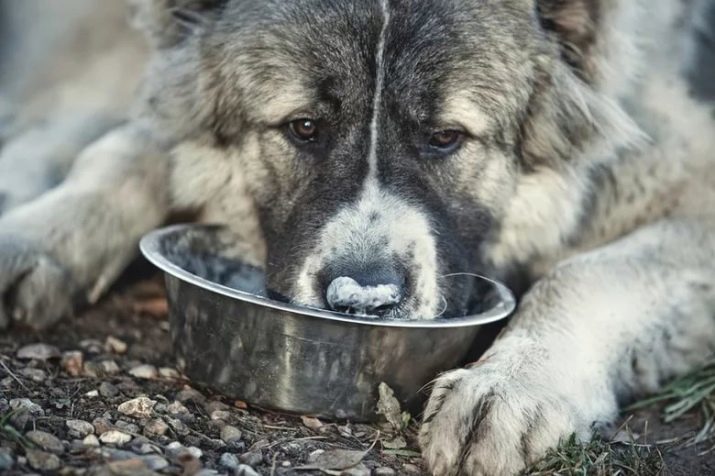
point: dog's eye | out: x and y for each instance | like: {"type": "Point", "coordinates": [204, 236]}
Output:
{"type": "Point", "coordinates": [446, 140]}
{"type": "Point", "coordinates": [305, 130]}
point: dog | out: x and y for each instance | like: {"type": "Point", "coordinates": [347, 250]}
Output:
{"type": "Point", "coordinates": [367, 154]}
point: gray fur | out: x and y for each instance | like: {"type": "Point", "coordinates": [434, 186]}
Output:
{"type": "Point", "coordinates": [586, 172]}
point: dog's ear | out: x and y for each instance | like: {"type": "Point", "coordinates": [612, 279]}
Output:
{"type": "Point", "coordinates": [575, 24]}
{"type": "Point", "coordinates": [168, 22]}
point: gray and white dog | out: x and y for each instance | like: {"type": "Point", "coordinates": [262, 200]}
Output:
{"type": "Point", "coordinates": [365, 150]}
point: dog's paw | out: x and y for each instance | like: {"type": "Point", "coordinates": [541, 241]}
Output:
{"type": "Point", "coordinates": [501, 415]}
{"type": "Point", "coordinates": [35, 291]}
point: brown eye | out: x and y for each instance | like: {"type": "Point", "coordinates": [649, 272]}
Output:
{"type": "Point", "coordinates": [446, 140]}
{"type": "Point", "coordinates": [305, 130]}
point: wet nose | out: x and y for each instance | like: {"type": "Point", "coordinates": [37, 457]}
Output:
{"type": "Point", "coordinates": [366, 293]}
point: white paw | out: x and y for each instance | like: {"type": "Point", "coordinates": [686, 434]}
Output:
{"type": "Point", "coordinates": [35, 291]}
{"type": "Point", "coordinates": [506, 412]}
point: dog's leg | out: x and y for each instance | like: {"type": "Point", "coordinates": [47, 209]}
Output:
{"type": "Point", "coordinates": [602, 327]}
{"type": "Point", "coordinates": [71, 242]}
{"type": "Point", "coordinates": [40, 157]}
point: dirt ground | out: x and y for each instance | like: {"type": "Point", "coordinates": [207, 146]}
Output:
{"type": "Point", "coordinates": [75, 386]}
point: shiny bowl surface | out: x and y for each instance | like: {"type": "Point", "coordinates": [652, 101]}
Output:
{"type": "Point", "coordinates": [231, 337]}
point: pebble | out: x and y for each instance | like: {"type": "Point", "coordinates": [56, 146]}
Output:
{"type": "Point", "coordinates": [156, 427]}
{"type": "Point", "coordinates": [359, 470]}
{"type": "Point", "coordinates": [155, 462]}
{"type": "Point", "coordinates": [190, 394]}
{"type": "Point", "coordinates": [220, 415]}
{"type": "Point", "coordinates": [108, 390]}
{"type": "Point", "coordinates": [145, 371]}
{"type": "Point", "coordinates": [411, 468]}
{"type": "Point", "coordinates": [101, 425]}
{"type": "Point", "coordinates": [169, 373]}
{"type": "Point", "coordinates": [229, 434]}
{"type": "Point", "coordinates": [73, 362]}
{"type": "Point", "coordinates": [176, 449]}
{"type": "Point", "coordinates": [114, 345]}
{"type": "Point", "coordinates": [141, 407]}
{"type": "Point", "coordinates": [39, 352]}
{"type": "Point", "coordinates": [26, 405]}
{"type": "Point", "coordinates": [6, 460]}
{"type": "Point", "coordinates": [177, 425]}
{"type": "Point", "coordinates": [43, 461]}
{"type": "Point", "coordinates": [176, 408]}
{"type": "Point", "coordinates": [92, 394]}
{"type": "Point", "coordinates": [126, 426]}
{"type": "Point", "coordinates": [91, 345]}
{"type": "Point", "coordinates": [103, 368]}
{"type": "Point", "coordinates": [115, 437]}
{"type": "Point", "coordinates": [252, 458]}
{"type": "Point", "coordinates": [229, 461]}
{"type": "Point", "coordinates": [46, 441]}
{"type": "Point", "coordinates": [79, 428]}
{"type": "Point", "coordinates": [384, 471]}
{"type": "Point", "coordinates": [90, 440]}
{"type": "Point", "coordinates": [245, 470]}
{"type": "Point", "coordinates": [36, 375]}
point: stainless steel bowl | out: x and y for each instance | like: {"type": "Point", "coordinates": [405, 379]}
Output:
{"type": "Point", "coordinates": [276, 355]}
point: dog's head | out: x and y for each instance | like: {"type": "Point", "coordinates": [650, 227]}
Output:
{"type": "Point", "coordinates": [387, 144]}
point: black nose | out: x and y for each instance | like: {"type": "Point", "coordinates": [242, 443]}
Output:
{"type": "Point", "coordinates": [372, 291]}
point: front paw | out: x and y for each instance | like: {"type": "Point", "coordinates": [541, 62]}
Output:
{"type": "Point", "coordinates": [35, 291]}
{"type": "Point", "coordinates": [501, 415]}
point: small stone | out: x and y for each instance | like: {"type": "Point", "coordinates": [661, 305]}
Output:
{"type": "Point", "coordinates": [101, 425]}
{"type": "Point", "coordinates": [26, 405]}
{"type": "Point", "coordinates": [195, 452]}
{"type": "Point", "coordinates": [73, 362]}
{"type": "Point", "coordinates": [39, 352]}
{"type": "Point", "coordinates": [126, 467]}
{"type": "Point", "coordinates": [90, 440]}
{"type": "Point", "coordinates": [79, 428]}
{"type": "Point", "coordinates": [358, 470]}
{"type": "Point", "coordinates": [126, 427]}
{"type": "Point", "coordinates": [145, 371]}
{"type": "Point", "coordinates": [6, 459]}
{"type": "Point", "coordinates": [220, 415]}
{"type": "Point", "coordinates": [105, 368]}
{"type": "Point", "coordinates": [311, 422]}
{"type": "Point", "coordinates": [108, 390]}
{"type": "Point", "coordinates": [92, 346]}
{"type": "Point", "coordinates": [169, 373]}
{"type": "Point", "coordinates": [251, 458]}
{"type": "Point", "coordinates": [177, 425]}
{"type": "Point", "coordinates": [141, 407]}
{"type": "Point", "coordinates": [46, 441]}
{"type": "Point", "coordinates": [214, 405]}
{"type": "Point", "coordinates": [115, 346]}
{"type": "Point", "coordinates": [155, 462]}
{"type": "Point", "coordinates": [286, 464]}
{"type": "Point", "coordinates": [190, 394]}
{"type": "Point", "coordinates": [410, 468]}
{"type": "Point", "coordinates": [115, 437]}
{"type": "Point", "coordinates": [229, 434]}
{"type": "Point", "coordinates": [176, 408]}
{"type": "Point", "coordinates": [384, 471]}
{"type": "Point", "coordinates": [207, 472]}
{"type": "Point", "coordinates": [229, 461]}
{"type": "Point", "coordinates": [36, 375]}
{"type": "Point", "coordinates": [43, 461]}
{"type": "Point", "coordinates": [92, 394]}
{"type": "Point", "coordinates": [156, 427]}
{"type": "Point", "coordinates": [245, 470]}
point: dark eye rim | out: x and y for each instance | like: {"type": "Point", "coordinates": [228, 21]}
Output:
{"type": "Point", "coordinates": [295, 135]}
{"type": "Point", "coordinates": [459, 137]}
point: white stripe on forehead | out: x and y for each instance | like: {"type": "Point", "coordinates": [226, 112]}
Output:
{"type": "Point", "coordinates": [379, 81]}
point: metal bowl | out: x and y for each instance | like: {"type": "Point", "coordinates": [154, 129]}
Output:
{"type": "Point", "coordinates": [276, 355]}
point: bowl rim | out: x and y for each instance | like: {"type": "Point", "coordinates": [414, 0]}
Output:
{"type": "Point", "coordinates": [151, 249]}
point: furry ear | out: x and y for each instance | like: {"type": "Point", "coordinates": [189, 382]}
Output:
{"type": "Point", "coordinates": [168, 22]}
{"type": "Point", "coordinates": [575, 24]}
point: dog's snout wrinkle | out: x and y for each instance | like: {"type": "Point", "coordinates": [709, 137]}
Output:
{"type": "Point", "coordinates": [347, 295]}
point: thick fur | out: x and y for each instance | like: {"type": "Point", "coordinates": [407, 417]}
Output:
{"type": "Point", "coordinates": [586, 176]}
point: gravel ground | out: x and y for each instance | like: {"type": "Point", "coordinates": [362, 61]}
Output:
{"type": "Point", "coordinates": [99, 395]}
